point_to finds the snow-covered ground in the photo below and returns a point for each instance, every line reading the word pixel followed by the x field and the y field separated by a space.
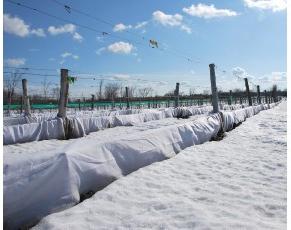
pixel 236 183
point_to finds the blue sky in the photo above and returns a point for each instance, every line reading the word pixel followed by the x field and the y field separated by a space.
pixel 242 37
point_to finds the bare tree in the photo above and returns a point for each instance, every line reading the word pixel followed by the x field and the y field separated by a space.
pixel 131 91
pixel 111 91
pixel 45 87
pixel 56 92
pixel 121 90
pixel 10 85
pixel 206 92
pixel 145 92
pixel 191 91
pixel 100 89
pixel 170 93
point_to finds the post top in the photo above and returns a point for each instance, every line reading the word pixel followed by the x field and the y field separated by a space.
pixel 211 65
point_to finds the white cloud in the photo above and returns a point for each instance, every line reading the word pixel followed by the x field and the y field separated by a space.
pixel 175 20
pixel 167 19
pixel 67 28
pixel 274 5
pixel 18 27
pixel 208 11
pixel 121 47
pixel 38 32
pixel 141 24
pixel 121 77
pixel 100 39
pixel 279 76
pixel 15 25
pixel 186 29
pixel 77 37
pixel 68 54
pixel 100 50
pixel 241 73
pixel 121 27
pixel 15 62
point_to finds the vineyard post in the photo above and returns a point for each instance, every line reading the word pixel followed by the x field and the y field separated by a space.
pixel 92 101
pixel 213 88
pixel 25 98
pixel 266 97
pixel 248 92
pixel 127 97
pixel 79 102
pixel 259 95
pixel 21 104
pixel 230 97
pixel 64 90
pixel 177 94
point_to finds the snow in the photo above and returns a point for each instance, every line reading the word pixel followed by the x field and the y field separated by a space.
pixel 236 183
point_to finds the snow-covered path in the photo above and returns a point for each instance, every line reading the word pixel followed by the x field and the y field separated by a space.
pixel 237 183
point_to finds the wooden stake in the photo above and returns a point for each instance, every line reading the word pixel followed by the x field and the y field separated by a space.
pixel 64 90
pixel 248 92
pixel 92 101
pixel 258 95
pixel 127 97
pixel 177 94
pixel 25 98
pixel 213 89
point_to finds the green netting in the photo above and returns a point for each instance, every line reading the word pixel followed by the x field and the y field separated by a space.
pixel 105 104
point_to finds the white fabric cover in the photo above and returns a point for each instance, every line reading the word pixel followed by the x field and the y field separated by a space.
pixel 33 132
pixel 41 184
pixel 83 125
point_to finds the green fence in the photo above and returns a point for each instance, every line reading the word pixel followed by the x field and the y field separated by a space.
pixel 106 104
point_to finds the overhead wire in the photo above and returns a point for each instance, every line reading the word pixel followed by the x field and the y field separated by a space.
pixel 69 8
pixel 103 33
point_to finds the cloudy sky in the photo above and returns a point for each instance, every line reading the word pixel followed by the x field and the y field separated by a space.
pixel 110 39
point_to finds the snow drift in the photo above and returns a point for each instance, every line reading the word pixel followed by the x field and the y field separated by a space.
pixel 38 185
